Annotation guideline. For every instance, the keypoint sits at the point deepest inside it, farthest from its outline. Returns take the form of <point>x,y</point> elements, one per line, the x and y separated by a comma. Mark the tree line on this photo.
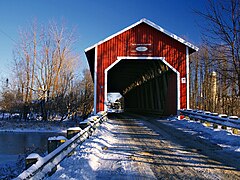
<point>211,88</point>
<point>45,78</point>
<point>215,69</point>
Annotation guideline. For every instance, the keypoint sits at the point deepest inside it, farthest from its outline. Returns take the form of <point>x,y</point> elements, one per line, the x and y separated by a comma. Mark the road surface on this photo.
<point>170,153</point>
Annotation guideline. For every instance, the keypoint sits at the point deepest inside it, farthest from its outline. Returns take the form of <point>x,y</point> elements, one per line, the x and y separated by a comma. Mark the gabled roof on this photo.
<point>193,47</point>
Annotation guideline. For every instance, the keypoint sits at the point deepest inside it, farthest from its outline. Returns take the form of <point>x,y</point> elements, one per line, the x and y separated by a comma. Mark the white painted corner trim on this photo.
<point>187,74</point>
<point>119,58</point>
<point>95,82</point>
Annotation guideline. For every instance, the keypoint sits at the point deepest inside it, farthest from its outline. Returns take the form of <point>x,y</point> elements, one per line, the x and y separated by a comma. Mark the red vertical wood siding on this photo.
<point>161,46</point>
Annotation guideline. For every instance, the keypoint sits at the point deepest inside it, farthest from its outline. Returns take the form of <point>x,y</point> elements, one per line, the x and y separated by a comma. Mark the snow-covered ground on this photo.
<point>98,158</point>
<point>33,126</point>
<point>226,139</point>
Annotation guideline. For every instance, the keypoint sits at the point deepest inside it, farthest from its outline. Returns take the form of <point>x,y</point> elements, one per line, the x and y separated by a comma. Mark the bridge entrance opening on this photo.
<point>148,85</point>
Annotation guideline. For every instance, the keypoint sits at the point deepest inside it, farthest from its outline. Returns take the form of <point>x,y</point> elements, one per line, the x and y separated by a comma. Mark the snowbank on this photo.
<point>30,126</point>
<point>226,139</point>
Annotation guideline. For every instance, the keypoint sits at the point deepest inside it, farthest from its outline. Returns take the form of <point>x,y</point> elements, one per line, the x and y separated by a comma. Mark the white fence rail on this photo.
<point>46,165</point>
<point>214,118</point>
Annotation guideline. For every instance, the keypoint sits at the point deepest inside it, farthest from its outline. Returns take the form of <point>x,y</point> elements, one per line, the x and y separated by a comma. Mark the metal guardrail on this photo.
<point>46,165</point>
<point>221,119</point>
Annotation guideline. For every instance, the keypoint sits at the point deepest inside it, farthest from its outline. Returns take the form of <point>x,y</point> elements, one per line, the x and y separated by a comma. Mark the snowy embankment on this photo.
<point>33,126</point>
<point>97,158</point>
<point>224,138</point>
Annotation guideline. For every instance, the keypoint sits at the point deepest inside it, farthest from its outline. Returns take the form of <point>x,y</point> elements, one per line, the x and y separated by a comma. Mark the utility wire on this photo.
<point>7,35</point>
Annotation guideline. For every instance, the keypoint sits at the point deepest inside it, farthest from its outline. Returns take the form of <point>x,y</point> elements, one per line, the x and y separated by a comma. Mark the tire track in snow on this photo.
<point>175,160</point>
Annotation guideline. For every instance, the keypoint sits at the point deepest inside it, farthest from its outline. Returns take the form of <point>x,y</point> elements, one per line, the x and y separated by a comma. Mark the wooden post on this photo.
<point>158,95</point>
<point>235,131</point>
<point>139,98</point>
<point>55,142</point>
<point>84,124</point>
<point>224,127</point>
<point>146,97</point>
<point>202,121</point>
<point>215,126</point>
<point>31,159</point>
<point>142,96</point>
<point>72,132</point>
<point>208,124</point>
<point>151,95</point>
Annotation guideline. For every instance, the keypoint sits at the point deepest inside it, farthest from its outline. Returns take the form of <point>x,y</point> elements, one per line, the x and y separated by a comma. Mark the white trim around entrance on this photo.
<point>95,82</point>
<point>187,73</point>
<point>140,58</point>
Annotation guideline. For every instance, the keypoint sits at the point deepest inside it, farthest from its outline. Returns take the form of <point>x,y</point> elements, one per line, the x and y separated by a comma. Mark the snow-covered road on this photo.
<point>136,148</point>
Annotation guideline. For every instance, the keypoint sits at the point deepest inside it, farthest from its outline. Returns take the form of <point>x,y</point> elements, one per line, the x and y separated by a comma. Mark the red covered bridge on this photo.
<point>148,65</point>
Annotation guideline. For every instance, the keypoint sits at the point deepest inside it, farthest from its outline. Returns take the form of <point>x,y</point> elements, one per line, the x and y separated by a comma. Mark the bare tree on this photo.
<point>45,64</point>
<point>221,34</point>
<point>57,64</point>
<point>200,74</point>
<point>218,91</point>
<point>86,103</point>
<point>25,57</point>
<point>210,90</point>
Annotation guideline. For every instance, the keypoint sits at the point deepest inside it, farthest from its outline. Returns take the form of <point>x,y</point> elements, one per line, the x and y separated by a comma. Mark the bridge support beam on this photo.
<point>158,102</point>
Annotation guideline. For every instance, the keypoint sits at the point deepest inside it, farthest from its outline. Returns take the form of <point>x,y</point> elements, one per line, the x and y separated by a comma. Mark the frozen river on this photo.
<point>13,144</point>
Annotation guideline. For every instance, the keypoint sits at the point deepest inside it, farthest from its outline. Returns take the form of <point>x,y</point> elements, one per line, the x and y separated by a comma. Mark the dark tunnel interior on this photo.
<point>148,86</point>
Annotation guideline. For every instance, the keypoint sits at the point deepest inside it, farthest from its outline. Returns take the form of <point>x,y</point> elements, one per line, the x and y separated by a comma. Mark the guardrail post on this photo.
<point>105,118</point>
<point>72,132</point>
<point>101,120</point>
<point>55,142</point>
<point>224,127</point>
<point>215,126</point>
<point>214,120</point>
<point>84,124</point>
<point>31,159</point>
<point>208,124</point>
<point>195,119</point>
<point>180,117</point>
<point>235,131</point>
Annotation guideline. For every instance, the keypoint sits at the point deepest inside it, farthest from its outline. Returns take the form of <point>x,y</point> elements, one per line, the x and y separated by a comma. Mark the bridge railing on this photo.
<point>213,118</point>
<point>45,166</point>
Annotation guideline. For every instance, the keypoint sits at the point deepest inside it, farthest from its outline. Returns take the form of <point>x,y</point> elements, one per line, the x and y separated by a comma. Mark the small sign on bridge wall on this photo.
<point>183,80</point>
<point>141,49</point>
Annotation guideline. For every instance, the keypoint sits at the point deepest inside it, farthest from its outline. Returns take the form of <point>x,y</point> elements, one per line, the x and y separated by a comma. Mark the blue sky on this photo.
<point>95,20</point>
